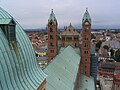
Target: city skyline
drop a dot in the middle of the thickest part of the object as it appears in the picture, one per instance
(35, 13)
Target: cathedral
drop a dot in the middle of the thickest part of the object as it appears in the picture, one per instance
(70, 66)
(75, 43)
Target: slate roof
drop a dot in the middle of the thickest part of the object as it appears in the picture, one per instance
(115, 44)
(18, 66)
(62, 70)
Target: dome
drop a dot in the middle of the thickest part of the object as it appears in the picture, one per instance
(18, 65)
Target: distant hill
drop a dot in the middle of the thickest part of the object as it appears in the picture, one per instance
(79, 30)
(33, 29)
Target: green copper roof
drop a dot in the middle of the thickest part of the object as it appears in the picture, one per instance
(5, 21)
(86, 17)
(62, 70)
(18, 66)
(52, 18)
(86, 83)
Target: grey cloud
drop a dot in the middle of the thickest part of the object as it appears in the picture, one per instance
(35, 13)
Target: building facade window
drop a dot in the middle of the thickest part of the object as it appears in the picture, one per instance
(51, 37)
(76, 38)
(63, 38)
(85, 52)
(51, 30)
(69, 38)
(51, 51)
(51, 44)
(86, 37)
(51, 23)
(86, 29)
(86, 45)
(75, 44)
(63, 45)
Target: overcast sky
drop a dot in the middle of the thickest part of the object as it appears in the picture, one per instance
(35, 13)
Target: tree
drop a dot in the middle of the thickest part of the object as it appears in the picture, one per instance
(93, 36)
(98, 44)
(117, 55)
(106, 47)
(112, 52)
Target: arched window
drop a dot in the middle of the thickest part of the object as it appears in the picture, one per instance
(51, 30)
(51, 37)
(75, 44)
(51, 23)
(86, 29)
(51, 44)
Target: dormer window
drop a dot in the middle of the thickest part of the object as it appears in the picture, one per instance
(8, 27)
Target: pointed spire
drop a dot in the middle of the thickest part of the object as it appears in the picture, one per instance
(52, 17)
(70, 24)
(86, 16)
(86, 9)
(52, 10)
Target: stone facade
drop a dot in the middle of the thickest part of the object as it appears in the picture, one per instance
(70, 37)
(86, 44)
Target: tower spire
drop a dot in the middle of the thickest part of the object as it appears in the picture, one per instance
(52, 18)
(52, 36)
(86, 17)
(52, 10)
(86, 44)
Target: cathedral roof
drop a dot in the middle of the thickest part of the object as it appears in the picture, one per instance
(86, 83)
(52, 18)
(70, 30)
(62, 70)
(5, 21)
(18, 65)
(86, 17)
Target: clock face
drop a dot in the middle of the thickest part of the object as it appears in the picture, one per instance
(86, 23)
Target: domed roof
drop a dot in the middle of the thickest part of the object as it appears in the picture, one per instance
(18, 66)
